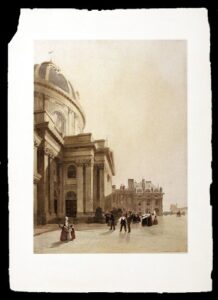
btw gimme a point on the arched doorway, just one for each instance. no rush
(71, 204)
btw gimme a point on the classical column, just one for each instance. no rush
(80, 208)
(60, 188)
(95, 188)
(35, 181)
(76, 129)
(37, 176)
(43, 188)
(70, 123)
(51, 192)
(101, 186)
(89, 187)
(35, 159)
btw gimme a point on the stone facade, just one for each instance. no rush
(72, 171)
(139, 197)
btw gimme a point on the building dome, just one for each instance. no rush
(49, 72)
(62, 101)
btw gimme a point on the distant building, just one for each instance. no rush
(140, 197)
(174, 209)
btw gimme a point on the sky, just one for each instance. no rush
(134, 94)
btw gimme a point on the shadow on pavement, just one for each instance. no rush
(107, 232)
(56, 244)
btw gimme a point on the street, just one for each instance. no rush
(169, 235)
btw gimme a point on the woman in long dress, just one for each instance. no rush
(66, 232)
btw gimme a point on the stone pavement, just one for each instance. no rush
(39, 229)
(169, 235)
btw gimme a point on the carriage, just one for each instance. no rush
(149, 220)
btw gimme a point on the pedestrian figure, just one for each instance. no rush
(129, 220)
(150, 219)
(178, 213)
(73, 234)
(155, 220)
(67, 232)
(112, 221)
(123, 223)
(107, 218)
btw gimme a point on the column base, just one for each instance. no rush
(84, 217)
(41, 218)
(51, 218)
(56, 219)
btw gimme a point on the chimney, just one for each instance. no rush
(143, 184)
(131, 184)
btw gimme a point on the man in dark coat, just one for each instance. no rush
(112, 220)
(129, 220)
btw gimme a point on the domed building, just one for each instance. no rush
(72, 171)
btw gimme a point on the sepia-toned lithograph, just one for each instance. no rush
(110, 146)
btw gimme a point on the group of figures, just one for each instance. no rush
(149, 219)
(126, 219)
(67, 231)
(179, 213)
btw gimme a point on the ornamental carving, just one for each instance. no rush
(100, 165)
(36, 143)
(48, 151)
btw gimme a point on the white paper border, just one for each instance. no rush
(110, 272)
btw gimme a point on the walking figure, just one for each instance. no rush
(112, 221)
(129, 220)
(123, 223)
(107, 218)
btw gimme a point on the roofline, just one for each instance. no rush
(58, 90)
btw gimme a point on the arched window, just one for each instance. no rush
(59, 121)
(71, 172)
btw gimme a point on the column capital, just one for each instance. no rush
(37, 140)
(87, 162)
(47, 151)
(100, 165)
(50, 153)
